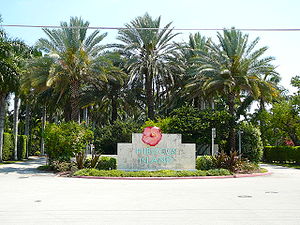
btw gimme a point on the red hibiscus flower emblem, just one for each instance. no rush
(151, 136)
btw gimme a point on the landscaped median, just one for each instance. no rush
(162, 174)
(207, 167)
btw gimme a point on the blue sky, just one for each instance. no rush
(284, 46)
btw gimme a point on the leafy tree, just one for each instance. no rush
(66, 140)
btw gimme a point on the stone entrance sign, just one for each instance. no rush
(168, 154)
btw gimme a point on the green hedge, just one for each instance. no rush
(107, 163)
(159, 173)
(22, 144)
(8, 147)
(282, 154)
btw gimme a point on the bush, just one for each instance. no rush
(66, 140)
(63, 166)
(8, 147)
(159, 173)
(252, 145)
(107, 163)
(22, 144)
(107, 137)
(231, 162)
(282, 154)
(205, 163)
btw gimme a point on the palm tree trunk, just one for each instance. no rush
(43, 130)
(232, 138)
(149, 95)
(75, 113)
(27, 124)
(85, 115)
(114, 105)
(15, 125)
(2, 119)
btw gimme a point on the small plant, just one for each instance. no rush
(232, 162)
(63, 166)
(80, 159)
(107, 163)
(205, 163)
(92, 162)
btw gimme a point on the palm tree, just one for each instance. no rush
(74, 52)
(149, 50)
(234, 68)
(8, 79)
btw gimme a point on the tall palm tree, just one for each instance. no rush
(74, 50)
(149, 50)
(8, 78)
(234, 68)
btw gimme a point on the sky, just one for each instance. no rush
(284, 46)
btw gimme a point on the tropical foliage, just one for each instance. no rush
(145, 78)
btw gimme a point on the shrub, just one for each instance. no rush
(7, 151)
(66, 140)
(107, 163)
(205, 163)
(282, 154)
(252, 145)
(92, 162)
(63, 166)
(232, 162)
(107, 137)
(22, 145)
(159, 173)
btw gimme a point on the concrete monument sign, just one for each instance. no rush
(155, 151)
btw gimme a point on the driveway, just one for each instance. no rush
(34, 198)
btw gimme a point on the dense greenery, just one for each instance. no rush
(22, 147)
(146, 79)
(231, 162)
(251, 142)
(66, 140)
(282, 154)
(107, 163)
(7, 152)
(159, 173)
(107, 137)
(195, 126)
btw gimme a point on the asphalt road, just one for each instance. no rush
(31, 197)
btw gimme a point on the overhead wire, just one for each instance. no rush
(144, 28)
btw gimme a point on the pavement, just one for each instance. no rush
(37, 198)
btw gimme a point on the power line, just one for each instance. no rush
(175, 29)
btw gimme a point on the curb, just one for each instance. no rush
(176, 178)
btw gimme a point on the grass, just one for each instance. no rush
(159, 173)
(289, 165)
(45, 168)
(9, 162)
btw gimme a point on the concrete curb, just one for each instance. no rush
(176, 178)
